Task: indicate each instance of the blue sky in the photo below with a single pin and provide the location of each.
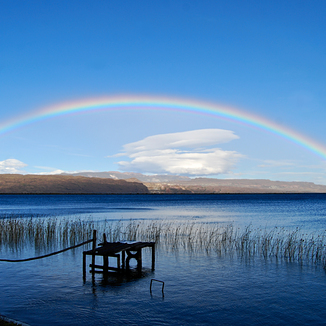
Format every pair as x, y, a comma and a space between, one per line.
263, 57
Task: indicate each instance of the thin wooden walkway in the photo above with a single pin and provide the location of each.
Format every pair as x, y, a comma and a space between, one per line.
123, 251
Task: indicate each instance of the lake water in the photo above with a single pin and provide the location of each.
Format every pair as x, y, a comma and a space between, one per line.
200, 288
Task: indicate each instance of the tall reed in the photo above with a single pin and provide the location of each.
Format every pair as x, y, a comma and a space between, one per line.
46, 233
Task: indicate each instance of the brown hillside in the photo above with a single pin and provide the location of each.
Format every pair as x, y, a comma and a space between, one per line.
205, 185
169, 184
63, 184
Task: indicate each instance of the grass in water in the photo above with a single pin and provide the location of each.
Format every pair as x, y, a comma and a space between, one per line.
48, 233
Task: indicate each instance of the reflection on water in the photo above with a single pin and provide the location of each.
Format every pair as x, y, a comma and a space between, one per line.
201, 287
199, 290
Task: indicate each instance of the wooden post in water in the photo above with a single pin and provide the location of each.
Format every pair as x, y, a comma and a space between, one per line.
105, 259
84, 266
93, 255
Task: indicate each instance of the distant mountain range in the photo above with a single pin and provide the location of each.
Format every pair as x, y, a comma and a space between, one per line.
66, 184
181, 184
136, 183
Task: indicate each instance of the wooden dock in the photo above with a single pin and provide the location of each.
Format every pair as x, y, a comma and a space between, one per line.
122, 251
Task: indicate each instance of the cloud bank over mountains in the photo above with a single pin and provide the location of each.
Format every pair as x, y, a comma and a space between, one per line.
186, 153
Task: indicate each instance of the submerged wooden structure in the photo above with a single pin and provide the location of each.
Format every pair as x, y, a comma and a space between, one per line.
122, 251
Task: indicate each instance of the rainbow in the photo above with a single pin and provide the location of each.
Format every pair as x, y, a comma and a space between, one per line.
167, 104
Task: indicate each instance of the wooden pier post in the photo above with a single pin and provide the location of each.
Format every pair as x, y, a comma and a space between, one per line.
84, 266
93, 254
105, 259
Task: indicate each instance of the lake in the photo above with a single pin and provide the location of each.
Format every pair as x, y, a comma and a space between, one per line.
201, 287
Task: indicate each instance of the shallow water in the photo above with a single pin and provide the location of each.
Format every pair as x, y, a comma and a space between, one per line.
200, 288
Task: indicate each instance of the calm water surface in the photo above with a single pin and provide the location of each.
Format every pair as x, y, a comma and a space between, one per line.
200, 289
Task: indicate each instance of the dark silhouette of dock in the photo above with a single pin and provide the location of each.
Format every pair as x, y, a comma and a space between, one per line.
122, 251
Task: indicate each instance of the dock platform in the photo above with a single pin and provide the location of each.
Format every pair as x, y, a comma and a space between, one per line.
122, 251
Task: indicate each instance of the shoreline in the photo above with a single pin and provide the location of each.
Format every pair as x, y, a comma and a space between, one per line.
164, 193
5, 321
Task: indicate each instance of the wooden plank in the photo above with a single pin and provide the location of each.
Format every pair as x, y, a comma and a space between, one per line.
102, 268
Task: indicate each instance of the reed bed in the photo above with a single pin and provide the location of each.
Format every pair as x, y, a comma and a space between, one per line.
48, 233
42, 233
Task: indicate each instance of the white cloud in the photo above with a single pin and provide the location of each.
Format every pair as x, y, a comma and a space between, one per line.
188, 139
11, 166
187, 153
